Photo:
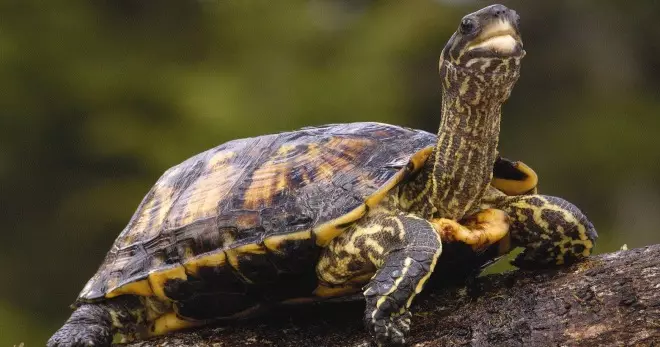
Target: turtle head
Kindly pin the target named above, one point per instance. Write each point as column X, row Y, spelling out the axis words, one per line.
column 486, row 44
column 478, row 68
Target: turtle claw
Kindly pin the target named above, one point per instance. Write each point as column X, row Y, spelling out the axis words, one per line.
column 390, row 331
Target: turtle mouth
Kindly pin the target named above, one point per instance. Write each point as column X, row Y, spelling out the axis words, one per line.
column 501, row 38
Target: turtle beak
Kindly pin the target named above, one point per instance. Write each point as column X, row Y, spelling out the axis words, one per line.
column 500, row 33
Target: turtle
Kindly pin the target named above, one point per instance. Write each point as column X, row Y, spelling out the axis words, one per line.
column 332, row 211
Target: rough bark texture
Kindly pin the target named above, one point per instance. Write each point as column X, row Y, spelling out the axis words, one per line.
column 609, row 300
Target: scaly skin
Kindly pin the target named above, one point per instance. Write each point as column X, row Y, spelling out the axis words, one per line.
column 401, row 249
column 552, row 230
column 95, row 324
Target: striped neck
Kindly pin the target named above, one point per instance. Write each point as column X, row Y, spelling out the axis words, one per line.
column 455, row 179
column 462, row 166
column 464, row 155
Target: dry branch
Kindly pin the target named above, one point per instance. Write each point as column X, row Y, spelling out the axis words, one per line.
column 609, row 300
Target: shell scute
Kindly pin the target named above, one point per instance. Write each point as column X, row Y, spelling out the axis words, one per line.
column 271, row 196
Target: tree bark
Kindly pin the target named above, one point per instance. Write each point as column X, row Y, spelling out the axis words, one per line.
column 609, row 300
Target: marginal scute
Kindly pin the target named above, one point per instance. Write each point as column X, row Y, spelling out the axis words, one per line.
column 140, row 288
column 235, row 255
column 419, row 159
column 274, row 243
column 158, row 278
column 328, row 231
column 252, row 248
column 211, row 259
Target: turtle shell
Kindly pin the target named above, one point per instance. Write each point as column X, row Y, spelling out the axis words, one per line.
column 253, row 209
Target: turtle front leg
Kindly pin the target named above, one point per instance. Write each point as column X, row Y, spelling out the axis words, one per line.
column 95, row 324
column 552, row 230
column 402, row 250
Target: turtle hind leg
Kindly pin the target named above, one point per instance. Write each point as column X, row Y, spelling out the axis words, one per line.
column 552, row 230
column 89, row 325
column 95, row 324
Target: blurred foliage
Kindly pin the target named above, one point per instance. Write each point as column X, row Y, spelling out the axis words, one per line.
column 99, row 98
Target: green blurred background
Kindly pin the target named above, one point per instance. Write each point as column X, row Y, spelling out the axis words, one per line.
column 99, row 98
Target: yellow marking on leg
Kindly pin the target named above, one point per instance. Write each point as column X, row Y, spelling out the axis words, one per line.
column 483, row 230
column 337, row 271
column 492, row 223
column 521, row 216
column 211, row 259
column 155, row 307
column 274, row 243
column 377, row 249
column 569, row 218
column 406, row 267
column 141, row 288
column 158, row 278
column 170, row 322
column 422, row 281
column 114, row 317
column 401, row 227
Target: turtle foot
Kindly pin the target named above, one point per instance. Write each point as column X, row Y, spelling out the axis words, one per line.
column 81, row 335
column 89, row 325
column 390, row 331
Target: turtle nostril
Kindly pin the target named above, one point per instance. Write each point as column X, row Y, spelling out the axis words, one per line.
column 499, row 11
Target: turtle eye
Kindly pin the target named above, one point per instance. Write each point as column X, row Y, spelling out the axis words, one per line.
column 467, row 26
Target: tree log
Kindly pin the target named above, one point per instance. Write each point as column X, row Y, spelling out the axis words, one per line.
column 609, row 300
